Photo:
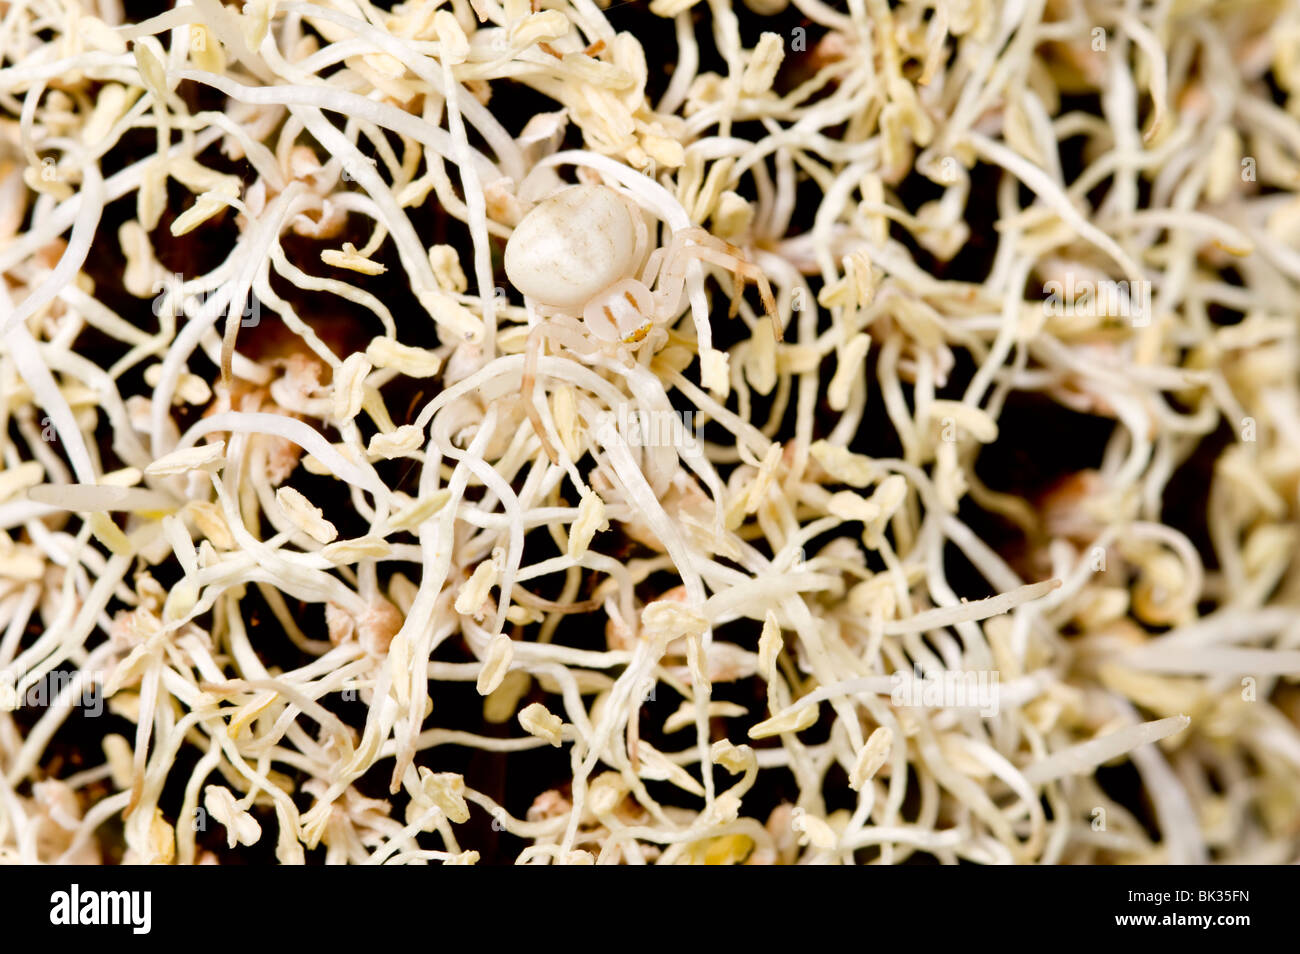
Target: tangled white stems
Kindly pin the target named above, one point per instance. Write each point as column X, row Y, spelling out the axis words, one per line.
column 166, row 544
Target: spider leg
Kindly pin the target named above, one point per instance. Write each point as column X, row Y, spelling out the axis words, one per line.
column 638, row 223
column 653, row 264
column 569, row 332
column 532, row 354
column 665, row 270
column 566, row 332
column 712, row 249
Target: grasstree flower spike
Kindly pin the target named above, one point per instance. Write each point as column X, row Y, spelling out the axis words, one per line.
column 894, row 406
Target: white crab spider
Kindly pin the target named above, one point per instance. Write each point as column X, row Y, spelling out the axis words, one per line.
column 578, row 254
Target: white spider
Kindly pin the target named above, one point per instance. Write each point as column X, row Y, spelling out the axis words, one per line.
column 578, row 254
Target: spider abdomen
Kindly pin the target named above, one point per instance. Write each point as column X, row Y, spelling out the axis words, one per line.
column 571, row 247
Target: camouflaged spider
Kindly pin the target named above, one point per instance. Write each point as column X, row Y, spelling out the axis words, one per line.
column 578, row 253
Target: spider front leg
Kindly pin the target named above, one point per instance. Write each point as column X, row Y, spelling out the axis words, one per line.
column 532, row 355
column 554, row 329
column 668, row 265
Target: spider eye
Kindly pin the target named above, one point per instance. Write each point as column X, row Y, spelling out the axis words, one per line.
column 638, row 335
